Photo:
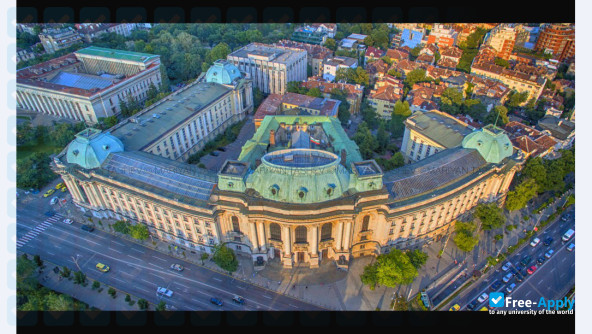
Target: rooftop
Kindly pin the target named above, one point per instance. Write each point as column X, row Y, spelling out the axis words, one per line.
column 116, row 54
column 277, row 54
column 440, row 127
column 142, row 129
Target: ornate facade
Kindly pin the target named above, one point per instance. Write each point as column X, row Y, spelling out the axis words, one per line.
column 299, row 191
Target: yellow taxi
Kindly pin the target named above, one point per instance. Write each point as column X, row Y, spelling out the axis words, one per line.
column 102, row 267
column 49, row 192
column 60, row 185
column 63, row 189
column 484, row 308
column 454, row 307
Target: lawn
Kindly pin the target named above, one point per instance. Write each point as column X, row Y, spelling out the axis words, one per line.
column 25, row 151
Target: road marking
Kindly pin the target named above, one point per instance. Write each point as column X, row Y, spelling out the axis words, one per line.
column 182, row 285
column 268, row 297
column 114, row 250
column 156, row 257
column 154, row 264
column 146, row 281
column 134, row 258
column 541, row 281
column 117, row 279
column 138, row 250
column 119, row 243
column 143, row 289
column 216, row 279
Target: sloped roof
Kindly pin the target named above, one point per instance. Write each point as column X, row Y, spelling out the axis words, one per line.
column 91, row 147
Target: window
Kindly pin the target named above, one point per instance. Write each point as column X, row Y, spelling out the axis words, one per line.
column 235, row 226
column 300, row 234
column 275, row 231
column 326, row 231
column 365, row 223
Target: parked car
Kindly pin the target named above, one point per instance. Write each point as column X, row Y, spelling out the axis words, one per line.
column 549, row 254
column 87, row 228
column 238, row 299
column 49, row 213
column 510, row 288
column 49, row 192
column 507, row 278
column 541, row 260
column 54, row 201
column 177, row 267
column 63, row 189
column 454, row 307
column 483, row 298
column 495, row 285
column 531, row 270
column 102, row 267
column 519, row 277
column 216, row 301
column 525, row 260
column 164, row 292
column 472, row 305
column 68, row 221
column 570, row 247
column 506, row 266
column 223, row 149
column 548, row 241
column 568, row 235
column 60, row 185
column 215, row 153
column 535, row 242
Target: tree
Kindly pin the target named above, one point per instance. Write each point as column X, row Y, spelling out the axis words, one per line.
column 26, row 275
column 257, row 97
column 38, row 261
column 516, row 99
column 112, row 292
column 451, row 101
column 415, row 76
column 463, row 238
column 491, row 216
column 390, row 270
column 25, row 134
column 161, row 306
column 59, row 302
column 34, row 171
column 122, row 226
column 295, row 87
column 96, row 285
column 225, row 258
column 66, row 272
column 501, row 62
column 139, row 231
column 330, row 44
column 382, row 137
column 519, row 197
column 367, row 143
column 475, row 109
column 142, row 304
column 499, row 115
column 79, row 277
column 417, row 258
column 314, row 92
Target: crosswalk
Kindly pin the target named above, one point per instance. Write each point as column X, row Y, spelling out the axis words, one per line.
column 38, row 229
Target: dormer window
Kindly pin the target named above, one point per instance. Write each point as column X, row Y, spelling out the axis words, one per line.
column 274, row 189
column 302, row 192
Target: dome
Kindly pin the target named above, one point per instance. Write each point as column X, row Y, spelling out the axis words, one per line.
column 491, row 142
column 91, row 147
column 222, row 72
column 300, row 176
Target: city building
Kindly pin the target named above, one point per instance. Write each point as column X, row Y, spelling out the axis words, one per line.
column 411, row 38
column 271, row 67
column 90, row 31
column 372, row 54
column 179, row 125
column 298, row 194
column 529, row 141
column 332, row 65
column 427, row 133
column 315, row 54
column 354, row 92
column 88, row 84
column 442, row 35
column 295, row 104
column 57, row 39
column 24, row 54
column 385, row 94
column 502, row 39
column 308, row 34
column 557, row 39
column 560, row 129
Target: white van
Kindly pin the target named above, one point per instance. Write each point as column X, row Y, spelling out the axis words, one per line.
column 568, row 235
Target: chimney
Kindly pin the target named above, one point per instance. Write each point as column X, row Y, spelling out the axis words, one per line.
column 272, row 137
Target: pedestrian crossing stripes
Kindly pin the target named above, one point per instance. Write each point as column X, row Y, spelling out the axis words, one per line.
column 37, row 230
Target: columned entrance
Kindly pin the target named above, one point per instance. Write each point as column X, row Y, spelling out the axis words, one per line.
column 300, row 257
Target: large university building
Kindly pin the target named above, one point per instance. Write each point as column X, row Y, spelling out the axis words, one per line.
column 87, row 84
column 299, row 192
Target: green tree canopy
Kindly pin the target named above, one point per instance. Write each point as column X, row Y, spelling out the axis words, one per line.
column 491, row 216
column 391, row 269
column 463, row 237
column 519, row 197
column 225, row 258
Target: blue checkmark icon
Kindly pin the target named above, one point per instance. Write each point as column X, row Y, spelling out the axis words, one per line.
column 496, row 299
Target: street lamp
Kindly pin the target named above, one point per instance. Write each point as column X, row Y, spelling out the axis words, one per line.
column 76, row 261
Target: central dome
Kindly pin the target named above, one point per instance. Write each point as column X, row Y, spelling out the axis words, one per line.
column 299, row 176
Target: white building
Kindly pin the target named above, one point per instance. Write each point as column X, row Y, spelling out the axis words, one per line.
column 331, row 66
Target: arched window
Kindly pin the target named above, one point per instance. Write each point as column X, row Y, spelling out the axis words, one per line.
column 326, row 231
column 235, row 226
column 275, row 232
column 300, row 234
column 365, row 223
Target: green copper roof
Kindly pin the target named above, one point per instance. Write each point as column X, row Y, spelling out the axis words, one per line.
column 492, row 143
column 91, row 147
column 222, row 72
column 116, row 54
column 300, row 176
column 256, row 147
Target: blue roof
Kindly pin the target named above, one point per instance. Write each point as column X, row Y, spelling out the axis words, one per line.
column 411, row 38
column 91, row 147
column 82, row 81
